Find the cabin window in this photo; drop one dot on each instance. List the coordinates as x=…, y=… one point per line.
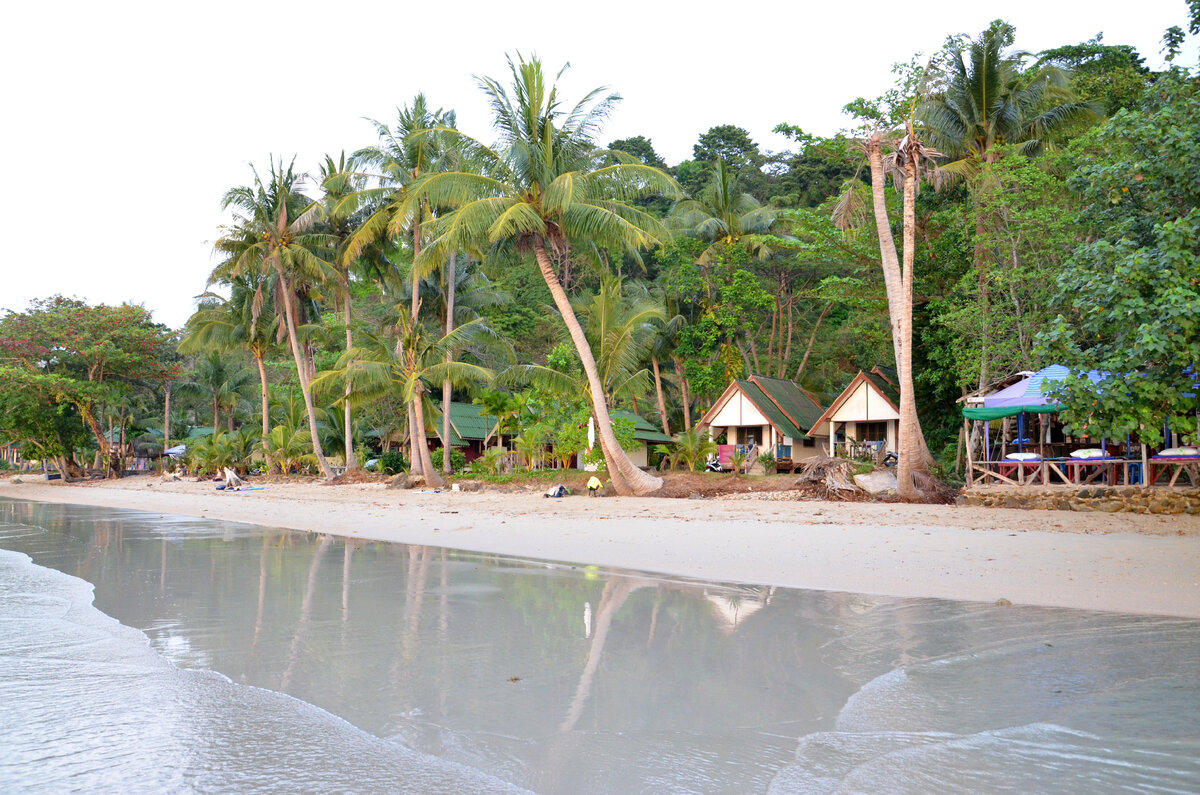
x=808, y=441
x=872, y=432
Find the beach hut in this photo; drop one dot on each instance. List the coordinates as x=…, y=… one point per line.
x=769, y=415
x=865, y=418
x=470, y=429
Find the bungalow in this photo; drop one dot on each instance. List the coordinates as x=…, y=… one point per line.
x=470, y=429
x=644, y=434
x=866, y=415
x=771, y=413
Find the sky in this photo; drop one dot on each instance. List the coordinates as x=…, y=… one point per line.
x=123, y=123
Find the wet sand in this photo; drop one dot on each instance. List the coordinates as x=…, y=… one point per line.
x=1116, y=562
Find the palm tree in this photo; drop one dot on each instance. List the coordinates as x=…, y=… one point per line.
x=218, y=382
x=457, y=292
x=272, y=237
x=416, y=358
x=234, y=323
x=986, y=100
x=549, y=192
x=399, y=161
x=909, y=162
x=338, y=181
x=722, y=214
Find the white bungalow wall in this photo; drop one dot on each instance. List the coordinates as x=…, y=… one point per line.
x=865, y=405
x=738, y=411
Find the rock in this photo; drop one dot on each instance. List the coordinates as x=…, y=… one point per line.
x=16, y=480
x=1002, y=602
x=876, y=483
x=470, y=485
x=401, y=481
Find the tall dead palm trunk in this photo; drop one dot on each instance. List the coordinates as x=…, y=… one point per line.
x=913, y=453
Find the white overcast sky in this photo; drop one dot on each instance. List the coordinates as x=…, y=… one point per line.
x=121, y=124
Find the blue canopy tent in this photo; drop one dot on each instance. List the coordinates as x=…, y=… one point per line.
x=1027, y=396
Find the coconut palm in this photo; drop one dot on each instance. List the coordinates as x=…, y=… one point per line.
x=219, y=382
x=407, y=361
x=234, y=323
x=988, y=99
x=457, y=293
x=272, y=236
x=398, y=162
x=549, y=192
x=338, y=182
x=722, y=214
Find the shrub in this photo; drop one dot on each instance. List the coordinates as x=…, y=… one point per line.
x=393, y=463
x=768, y=462
x=458, y=459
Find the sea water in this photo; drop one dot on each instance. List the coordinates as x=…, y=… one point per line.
x=141, y=652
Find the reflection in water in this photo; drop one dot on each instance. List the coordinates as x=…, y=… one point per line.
x=478, y=664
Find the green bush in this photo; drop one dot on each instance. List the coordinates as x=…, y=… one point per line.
x=458, y=459
x=3, y=465
x=392, y=463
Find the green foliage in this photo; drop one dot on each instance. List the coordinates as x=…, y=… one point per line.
x=1130, y=300
x=392, y=462
x=458, y=459
x=768, y=461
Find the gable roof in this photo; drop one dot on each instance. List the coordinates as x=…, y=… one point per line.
x=467, y=424
x=886, y=390
x=782, y=422
x=643, y=431
x=792, y=399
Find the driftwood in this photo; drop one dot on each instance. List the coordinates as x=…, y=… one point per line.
x=827, y=478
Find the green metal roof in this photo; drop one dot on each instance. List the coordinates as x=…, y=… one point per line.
x=643, y=431
x=797, y=404
x=770, y=410
x=468, y=424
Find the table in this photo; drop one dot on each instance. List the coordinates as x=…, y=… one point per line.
x=1180, y=464
x=1111, y=470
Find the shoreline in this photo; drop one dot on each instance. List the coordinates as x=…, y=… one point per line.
x=1128, y=563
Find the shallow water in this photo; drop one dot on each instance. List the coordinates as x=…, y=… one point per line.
x=258, y=660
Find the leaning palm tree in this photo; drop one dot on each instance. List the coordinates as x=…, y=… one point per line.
x=272, y=236
x=549, y=191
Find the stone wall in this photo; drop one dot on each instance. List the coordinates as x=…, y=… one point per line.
x=1134, y=499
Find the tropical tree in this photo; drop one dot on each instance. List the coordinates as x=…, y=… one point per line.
x=407, y=360
x=237, y=323
x=547, y=191
x=985, y=98
x=722, y=213
x=272, y=237
x=399, y=160
x=909, y=162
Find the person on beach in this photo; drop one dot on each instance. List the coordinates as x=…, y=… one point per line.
x=594, y=485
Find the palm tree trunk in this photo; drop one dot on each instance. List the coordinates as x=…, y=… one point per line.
x=432, y=478
x=351, y=461
x=662, y=404
x=451, y=276
x=414, y=456
x=302, y=373
x=216, y=413
x=626, y=477
x=266, y=408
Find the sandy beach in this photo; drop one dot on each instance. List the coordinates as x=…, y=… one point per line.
x=1121, y=562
